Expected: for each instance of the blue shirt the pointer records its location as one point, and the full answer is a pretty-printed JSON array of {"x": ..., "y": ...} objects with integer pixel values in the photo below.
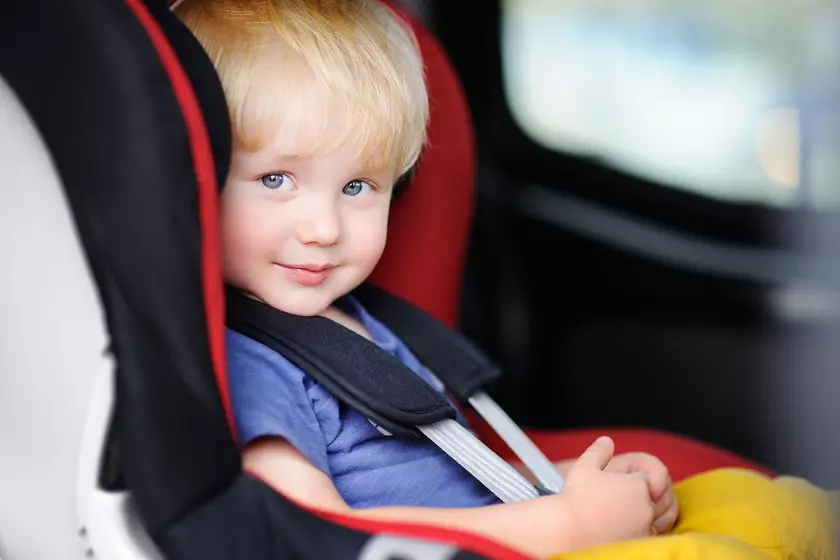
[{"x": 272, "y": 397}]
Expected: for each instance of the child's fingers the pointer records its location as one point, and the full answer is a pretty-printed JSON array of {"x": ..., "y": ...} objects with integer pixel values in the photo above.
[
  {"x": 653, "y": 470},
  {"x": 666, "y": 512},
  {"x": 598, "y": 455}
]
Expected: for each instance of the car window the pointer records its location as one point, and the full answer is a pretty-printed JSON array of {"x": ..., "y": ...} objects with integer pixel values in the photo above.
[{"x": 738, "y": 101}]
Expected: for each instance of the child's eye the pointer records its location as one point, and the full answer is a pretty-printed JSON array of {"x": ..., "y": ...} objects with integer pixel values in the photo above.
[
  {"x": 356, "y": 187},
  {"x": 275, "y": 181}
]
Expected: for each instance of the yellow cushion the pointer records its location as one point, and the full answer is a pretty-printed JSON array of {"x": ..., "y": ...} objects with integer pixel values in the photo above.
[{"x": 738, "y": 514}]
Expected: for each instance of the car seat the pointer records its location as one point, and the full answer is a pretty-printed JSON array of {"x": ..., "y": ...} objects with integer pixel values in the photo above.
[{"x": 117, "y": 439}]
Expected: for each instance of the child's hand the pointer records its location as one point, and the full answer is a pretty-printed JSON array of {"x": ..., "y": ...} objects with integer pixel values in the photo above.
[
  {"x": 605, "y": 506},
  {"x": 665, "y": 506}
]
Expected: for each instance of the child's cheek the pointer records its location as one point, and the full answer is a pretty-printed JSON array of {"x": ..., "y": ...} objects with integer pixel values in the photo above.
[
  {"x": 240, "y": 236},
  {"x": 376, "y": 234}
]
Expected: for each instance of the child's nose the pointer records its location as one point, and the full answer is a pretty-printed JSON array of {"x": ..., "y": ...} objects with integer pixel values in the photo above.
[{"x": 319, "y": 224}]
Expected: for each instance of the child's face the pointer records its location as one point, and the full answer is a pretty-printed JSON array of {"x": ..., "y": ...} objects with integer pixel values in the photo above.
[{"x": 300, "y": 232}]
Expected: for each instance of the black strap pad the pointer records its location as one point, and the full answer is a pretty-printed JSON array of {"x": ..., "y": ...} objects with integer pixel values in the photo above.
[
  {"x": 462, "y": 367},
  {"x": 355, "y": 370}
]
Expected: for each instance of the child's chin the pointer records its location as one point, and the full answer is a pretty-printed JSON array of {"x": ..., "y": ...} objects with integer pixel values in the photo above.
[{"x": 303, "y": 306}]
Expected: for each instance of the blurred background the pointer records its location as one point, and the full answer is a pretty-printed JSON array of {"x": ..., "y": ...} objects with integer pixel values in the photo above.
[{"x": 657, "y": 236}]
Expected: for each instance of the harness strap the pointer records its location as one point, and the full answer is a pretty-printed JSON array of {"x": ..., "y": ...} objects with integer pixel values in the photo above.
[
  {"x": 455, "y": 360},
  {"x": 349, "y": 366},
  {"x": 480, "y": 461},
  {"x": 390, "y": 395},
  {"x": 527, "y": 451}
]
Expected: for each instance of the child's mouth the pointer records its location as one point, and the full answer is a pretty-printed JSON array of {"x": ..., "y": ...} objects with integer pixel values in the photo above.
[{"x": 306, "y": 274}]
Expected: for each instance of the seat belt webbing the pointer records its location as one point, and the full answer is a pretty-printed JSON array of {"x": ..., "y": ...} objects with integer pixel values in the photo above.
[
  {"x": 475, "y": 457},
  {"x": 527, "y": 451}
]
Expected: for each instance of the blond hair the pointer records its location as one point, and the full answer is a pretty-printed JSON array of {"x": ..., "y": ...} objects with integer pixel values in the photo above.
[{"x": 338, "y": 72}]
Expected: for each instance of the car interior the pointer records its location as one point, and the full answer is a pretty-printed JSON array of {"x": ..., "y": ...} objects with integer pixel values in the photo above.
[{"x": 632, "y": 208}]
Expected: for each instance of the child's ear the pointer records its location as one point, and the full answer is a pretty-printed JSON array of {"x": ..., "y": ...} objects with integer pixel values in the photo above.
[{"x": 403, "y": 181}]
